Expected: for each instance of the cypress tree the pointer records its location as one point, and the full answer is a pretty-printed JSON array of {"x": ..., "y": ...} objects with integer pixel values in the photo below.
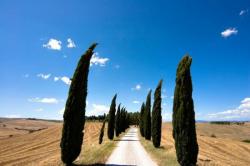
[
  {"x": 74, "y": 114},
  {"x": 142, "y": 119},
  {"x": 102, "y": 132},
  {"x": 156, "y": 116},
  {"x": 122, "y": 120},
  {"x": 147, "y": 116},
  {"x": 117, "y": 121},
  {"x": 184, "y": 131},
  {"x": 111, "y": 122}
]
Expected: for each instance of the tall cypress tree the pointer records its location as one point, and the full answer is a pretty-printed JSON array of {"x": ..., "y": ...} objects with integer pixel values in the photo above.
[
  {"x": 117, "y": 121},
  {"x": 122, "y": 120},
  {"x": 102, "y": 132},
  {"x": 156, "y": 116},
  {"x": 142, "y": 119},
  {"x": 74, "y": 114},
  {"x": 147, "y": 116},
  {"x": 111, "y": 123},
  {"x": 184, "y": 131}
]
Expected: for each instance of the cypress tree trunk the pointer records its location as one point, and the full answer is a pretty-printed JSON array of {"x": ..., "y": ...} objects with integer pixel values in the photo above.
[
  {"x": 74, "y": 114},
  {"x": 147, "y": 116},
  {"x": 102, "y": 132},
  {"x": 111, "y": 123},
  {"x": 156, "y": 116},
  {"x": 184, "y": 131},
  {"x": 117, "y": 121},
  {"x": 142, "y": 119}
]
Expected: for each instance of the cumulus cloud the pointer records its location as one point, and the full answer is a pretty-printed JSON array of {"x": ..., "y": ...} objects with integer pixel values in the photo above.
[
  {"x": 228, "y": 32},
  {"x": 136, "y": 102},
  {"x": 71, "y": 43},
  {"x": 137, "y": 87},
  {"x": 64, "y": 79},
  {"x": 43, "y": 100},
  {"x": 12, "y": 116},
  {"x": 53, "y": 44},
  {"x": 241, "y": 112},
  {"x": 96, "y": 60},
  {"x": 99, "y": 109},
  {"x": 44, "y": 76},
  {"x": 242, "y": 12}
]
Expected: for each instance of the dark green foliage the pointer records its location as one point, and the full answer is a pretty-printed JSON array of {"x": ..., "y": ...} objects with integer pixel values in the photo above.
[
  {"x": 117, "y": 121},
  {"x": 122, "y": 120},
  {"x": 102, "y": 132},
  {"x": 156, "y": 116},
  {"x": 111, "y": 122},
  {"x": 184, "y": 131},
  {"x": 73, "y": 124},
  {"x": 147, "y": 117},
  {"x": 134, "y": 118},
  {"x": 142, "y": 119}
]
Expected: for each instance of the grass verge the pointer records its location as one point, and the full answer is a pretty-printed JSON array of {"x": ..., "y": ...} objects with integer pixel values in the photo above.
[
  {"x": 95, "y": 154},
  {"x": 160, "y": 155}
]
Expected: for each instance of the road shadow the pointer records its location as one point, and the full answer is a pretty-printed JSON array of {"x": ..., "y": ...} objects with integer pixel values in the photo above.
[
  {"x": 98, "y": 164},
  {"x": 126, "y": 140}
]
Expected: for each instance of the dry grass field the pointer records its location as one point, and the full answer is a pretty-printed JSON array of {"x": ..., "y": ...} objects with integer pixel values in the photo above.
[
  {"x": 219, "y": 145},
  {"x": 34, "y": 142}
]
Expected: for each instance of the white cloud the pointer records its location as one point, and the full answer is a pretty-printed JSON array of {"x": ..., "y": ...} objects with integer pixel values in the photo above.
[
  {"x": 56, "y": 78},
  {"x": 39, "y": 110},
  {"x": 96, "y": 60},
  {"x": 43, "y": 100},
  {"x": 137, "y": 87},
  {"x": 228, "y": 32},
  {"x": 242, "y": 12},
  {"x": 61, "y": 111},
  {"x": 12, "y": 116},
  {"x": 241, "y": 112},
  {"x": 53, "y": 44},
  {"x": 44, "y": 76},
  {"x": 71, "y": 43},
  {"x": 99, "y": 109},
  {"x": 64, "y": 79},
  {"x": 136, "y": 102}
]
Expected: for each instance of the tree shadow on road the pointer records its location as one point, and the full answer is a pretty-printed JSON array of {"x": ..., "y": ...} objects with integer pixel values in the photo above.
[{"x": 98, "y": 164}]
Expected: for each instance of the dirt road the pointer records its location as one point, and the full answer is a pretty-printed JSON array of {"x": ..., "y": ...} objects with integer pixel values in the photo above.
[{"x": 129, "y": 151}]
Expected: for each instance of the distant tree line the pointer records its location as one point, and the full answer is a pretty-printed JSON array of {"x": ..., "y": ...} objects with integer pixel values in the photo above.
[
  {"x": 227, "y": 123},
  {"x": 99, "y": 118}
]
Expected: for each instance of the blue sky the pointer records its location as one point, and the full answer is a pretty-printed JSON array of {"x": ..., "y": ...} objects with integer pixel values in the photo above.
[{"x": 140, "y": 42}]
